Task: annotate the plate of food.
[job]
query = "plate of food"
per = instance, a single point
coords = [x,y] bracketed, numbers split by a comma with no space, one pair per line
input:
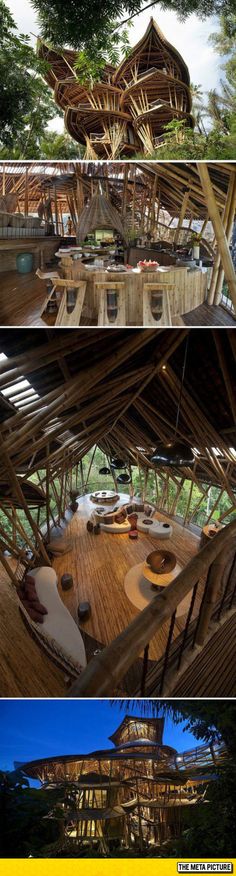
[148,265]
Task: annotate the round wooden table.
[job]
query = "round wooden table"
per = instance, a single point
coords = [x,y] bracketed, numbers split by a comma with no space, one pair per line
[107,496]
[138,585]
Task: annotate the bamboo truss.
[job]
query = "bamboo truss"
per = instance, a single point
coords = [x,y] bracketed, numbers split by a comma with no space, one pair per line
[162,200]
[134,792]
[126,111]
[116,402]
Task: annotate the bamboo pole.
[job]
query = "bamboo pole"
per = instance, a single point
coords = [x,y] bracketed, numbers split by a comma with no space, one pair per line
[219,230]
[181,215]
[229,231]
[19,494]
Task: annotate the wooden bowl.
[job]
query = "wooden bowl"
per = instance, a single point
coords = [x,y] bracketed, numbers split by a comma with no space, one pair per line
[161,562]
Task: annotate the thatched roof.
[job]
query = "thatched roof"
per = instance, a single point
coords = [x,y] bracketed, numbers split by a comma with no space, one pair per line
[99,213]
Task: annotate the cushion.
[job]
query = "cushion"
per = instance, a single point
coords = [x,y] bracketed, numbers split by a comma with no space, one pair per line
[30,593]
[37,606]
[35,615]
[29,580]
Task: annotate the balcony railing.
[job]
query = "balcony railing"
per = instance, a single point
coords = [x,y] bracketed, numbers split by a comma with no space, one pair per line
[210,575]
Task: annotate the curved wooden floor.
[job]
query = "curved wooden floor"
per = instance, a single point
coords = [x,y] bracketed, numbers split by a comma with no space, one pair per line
[99,564]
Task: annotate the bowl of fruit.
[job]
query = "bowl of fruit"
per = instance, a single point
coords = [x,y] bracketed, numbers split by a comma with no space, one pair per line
[148,265]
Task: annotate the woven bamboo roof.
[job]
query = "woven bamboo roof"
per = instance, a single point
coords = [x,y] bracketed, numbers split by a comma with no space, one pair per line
[120,395]
[127,186]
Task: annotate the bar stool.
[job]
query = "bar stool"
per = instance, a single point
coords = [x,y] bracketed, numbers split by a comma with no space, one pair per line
[71,303]
[111,309]
[50,302]
[156,303]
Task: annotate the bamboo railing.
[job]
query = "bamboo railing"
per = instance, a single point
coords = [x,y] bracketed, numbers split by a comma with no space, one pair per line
[216,562]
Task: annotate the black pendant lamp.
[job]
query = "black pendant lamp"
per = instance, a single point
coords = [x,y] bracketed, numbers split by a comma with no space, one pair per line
[117,462]
[104,470]
[175,453]
[124,478]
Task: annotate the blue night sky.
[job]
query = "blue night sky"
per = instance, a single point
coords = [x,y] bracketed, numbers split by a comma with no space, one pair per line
[30,729]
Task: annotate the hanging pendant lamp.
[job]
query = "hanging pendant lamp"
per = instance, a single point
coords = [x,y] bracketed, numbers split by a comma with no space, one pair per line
[124,478]
[175,453]
[104,470]
[117,462]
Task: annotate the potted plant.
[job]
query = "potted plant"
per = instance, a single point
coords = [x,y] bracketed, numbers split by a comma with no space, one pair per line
[195,241]
[132,237]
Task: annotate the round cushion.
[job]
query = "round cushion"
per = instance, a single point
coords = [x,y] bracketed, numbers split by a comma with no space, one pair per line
[84,610]
[66,581]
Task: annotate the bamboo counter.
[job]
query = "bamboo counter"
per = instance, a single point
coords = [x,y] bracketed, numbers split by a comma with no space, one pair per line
[190,287]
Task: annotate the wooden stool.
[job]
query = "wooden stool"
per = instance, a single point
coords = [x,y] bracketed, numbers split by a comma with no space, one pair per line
[111,304]
[156,304]
[69,313]
[50,302]
[66,581]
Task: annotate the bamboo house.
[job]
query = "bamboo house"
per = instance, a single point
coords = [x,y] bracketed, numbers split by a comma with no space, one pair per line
[134,795]
[128,110]
[117,512]
[117,244]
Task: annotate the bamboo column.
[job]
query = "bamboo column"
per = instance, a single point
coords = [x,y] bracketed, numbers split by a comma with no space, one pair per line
[19,494]
[228,231]
[26,191]
[181,215]
[219,229]
[216,266]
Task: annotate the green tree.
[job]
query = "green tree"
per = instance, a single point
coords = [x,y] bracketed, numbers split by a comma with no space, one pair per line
[30,818]
[26,106]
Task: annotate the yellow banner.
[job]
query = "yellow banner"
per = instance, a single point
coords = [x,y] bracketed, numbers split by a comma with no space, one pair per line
[115,866]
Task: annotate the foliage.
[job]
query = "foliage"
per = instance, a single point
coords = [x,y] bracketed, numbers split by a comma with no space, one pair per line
[97,30]
[25,826]
[26,106]
[106,48]
[211,828]
[194,145]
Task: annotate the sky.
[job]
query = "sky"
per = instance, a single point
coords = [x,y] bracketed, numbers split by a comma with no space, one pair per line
[30,729]
[190,38]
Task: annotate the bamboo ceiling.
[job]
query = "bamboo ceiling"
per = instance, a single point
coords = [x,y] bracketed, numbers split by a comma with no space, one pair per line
[131,188]
[122,395]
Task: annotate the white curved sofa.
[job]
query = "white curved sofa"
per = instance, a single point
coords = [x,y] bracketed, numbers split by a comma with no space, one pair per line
[58,624]
[156,528]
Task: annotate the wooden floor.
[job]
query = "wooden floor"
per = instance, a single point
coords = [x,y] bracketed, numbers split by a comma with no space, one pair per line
[22,297]
[208,315]
[98,565]
[213,673]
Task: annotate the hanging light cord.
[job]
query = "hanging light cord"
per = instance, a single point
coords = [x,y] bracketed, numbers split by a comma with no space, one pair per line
[181,387]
